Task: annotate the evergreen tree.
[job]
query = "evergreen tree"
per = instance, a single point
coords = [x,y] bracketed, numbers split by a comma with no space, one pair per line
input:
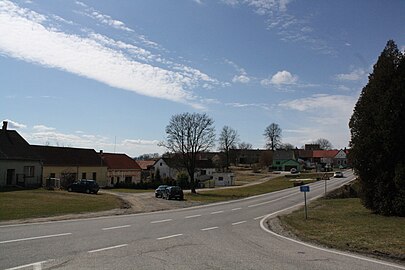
[377,135]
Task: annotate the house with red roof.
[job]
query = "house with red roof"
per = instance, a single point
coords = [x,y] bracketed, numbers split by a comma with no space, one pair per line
[121,168]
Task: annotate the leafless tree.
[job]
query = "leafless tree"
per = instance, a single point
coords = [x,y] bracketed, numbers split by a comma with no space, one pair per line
[272,133]
[187,135]
[286,146]
[324,144]
[245,146]
[227,140]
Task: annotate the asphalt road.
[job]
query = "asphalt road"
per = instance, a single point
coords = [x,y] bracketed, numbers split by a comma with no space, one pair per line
[220,236]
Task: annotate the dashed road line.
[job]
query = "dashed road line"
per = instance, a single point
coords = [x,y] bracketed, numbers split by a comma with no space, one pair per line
[239,222]
[210,228]
[117,227]
[238,208]
[256,218]
[216,212]
[160,221]
[193,216]
[170,236]
[107,248]
[258,204]
[34,238]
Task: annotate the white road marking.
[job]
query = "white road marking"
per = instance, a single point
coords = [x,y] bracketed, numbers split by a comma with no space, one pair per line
[107,248]
[160,221]
[117,227]
[238,208]
[217,212]
[258,204]
[256,218]
[33,238]
[170,236]
[35,266]
[239,222]
[210,228]
[193,216]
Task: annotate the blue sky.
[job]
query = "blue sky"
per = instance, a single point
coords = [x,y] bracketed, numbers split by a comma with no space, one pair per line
[110,74]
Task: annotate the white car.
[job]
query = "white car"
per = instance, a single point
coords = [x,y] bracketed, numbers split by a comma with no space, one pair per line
[338,175]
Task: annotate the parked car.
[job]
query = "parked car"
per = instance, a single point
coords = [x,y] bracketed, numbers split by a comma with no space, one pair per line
[338,175]
[159,191]
[293,171]
[173,192]
[84,185]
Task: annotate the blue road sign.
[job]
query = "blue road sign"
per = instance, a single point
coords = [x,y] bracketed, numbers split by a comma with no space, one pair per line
[304,188]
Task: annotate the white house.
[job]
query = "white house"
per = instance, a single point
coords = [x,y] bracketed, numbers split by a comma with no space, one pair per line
[224,179]
[169,168]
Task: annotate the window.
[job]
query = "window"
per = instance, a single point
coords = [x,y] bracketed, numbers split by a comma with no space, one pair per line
[29,171]
[94,176]
[220,178]
[52,175]
[128,179]
[84,175]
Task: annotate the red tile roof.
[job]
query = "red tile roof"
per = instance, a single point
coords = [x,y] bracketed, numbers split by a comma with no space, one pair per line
[144,164]
[325,153]
[120,162]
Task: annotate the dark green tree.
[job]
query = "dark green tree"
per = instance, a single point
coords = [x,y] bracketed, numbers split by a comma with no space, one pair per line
[377,135]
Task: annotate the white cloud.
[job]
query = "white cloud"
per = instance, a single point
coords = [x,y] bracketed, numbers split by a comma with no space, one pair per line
[41,128]
[25,38]
[247,105]
[241,78]
[14,125]
[322,102]
[355,75]
[140,142]
[280,78]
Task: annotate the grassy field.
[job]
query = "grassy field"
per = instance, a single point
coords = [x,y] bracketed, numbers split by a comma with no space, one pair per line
[130,190]
[21,204]
[345,224]
[217,195]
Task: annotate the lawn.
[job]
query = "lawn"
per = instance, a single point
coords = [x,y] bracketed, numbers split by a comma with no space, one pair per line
[21,204]
[345,224]
[217,195]
[130,190]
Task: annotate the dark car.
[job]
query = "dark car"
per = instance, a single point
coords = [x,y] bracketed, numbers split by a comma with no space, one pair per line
[84,185]
[173,192]
[159,191]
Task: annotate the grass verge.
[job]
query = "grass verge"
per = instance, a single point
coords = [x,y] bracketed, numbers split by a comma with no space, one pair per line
[217,195]
[130,190]
[346,225]
[22,204]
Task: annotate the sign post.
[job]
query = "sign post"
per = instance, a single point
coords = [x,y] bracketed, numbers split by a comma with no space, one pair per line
[305,189]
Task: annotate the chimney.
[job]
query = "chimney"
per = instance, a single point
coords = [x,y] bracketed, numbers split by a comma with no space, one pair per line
[5,123]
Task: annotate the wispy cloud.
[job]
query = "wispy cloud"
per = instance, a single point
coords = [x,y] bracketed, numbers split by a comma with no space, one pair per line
[356,75]
[287,26]
[25,37]
[42,128]
[249,105]
[242,76]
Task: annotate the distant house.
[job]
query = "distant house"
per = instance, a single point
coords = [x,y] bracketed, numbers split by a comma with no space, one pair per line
[121,168]
[19,165]
[70,164]
[250,156]
[324,159]
[171,167]
[147,171]
[223,179]
[285,160]
[340,159]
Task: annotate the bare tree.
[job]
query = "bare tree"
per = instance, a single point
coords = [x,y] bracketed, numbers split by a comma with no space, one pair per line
[245,146]
[286,146]
[272,133]
[189,134]
[324,144]
[227,140]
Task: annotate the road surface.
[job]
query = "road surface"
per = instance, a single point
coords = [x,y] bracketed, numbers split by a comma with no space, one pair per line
[225,235]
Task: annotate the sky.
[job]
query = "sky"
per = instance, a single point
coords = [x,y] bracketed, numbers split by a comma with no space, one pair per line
[109,75]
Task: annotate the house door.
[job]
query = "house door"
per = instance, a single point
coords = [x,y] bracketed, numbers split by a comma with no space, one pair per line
[10,176]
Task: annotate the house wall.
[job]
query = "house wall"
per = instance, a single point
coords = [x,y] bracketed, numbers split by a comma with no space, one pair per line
[77,171]
[224,179]
[19,175]
[115,176]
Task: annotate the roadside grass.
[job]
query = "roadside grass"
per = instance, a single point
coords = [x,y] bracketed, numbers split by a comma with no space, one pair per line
[226,194]
[34,203]
[346,225]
